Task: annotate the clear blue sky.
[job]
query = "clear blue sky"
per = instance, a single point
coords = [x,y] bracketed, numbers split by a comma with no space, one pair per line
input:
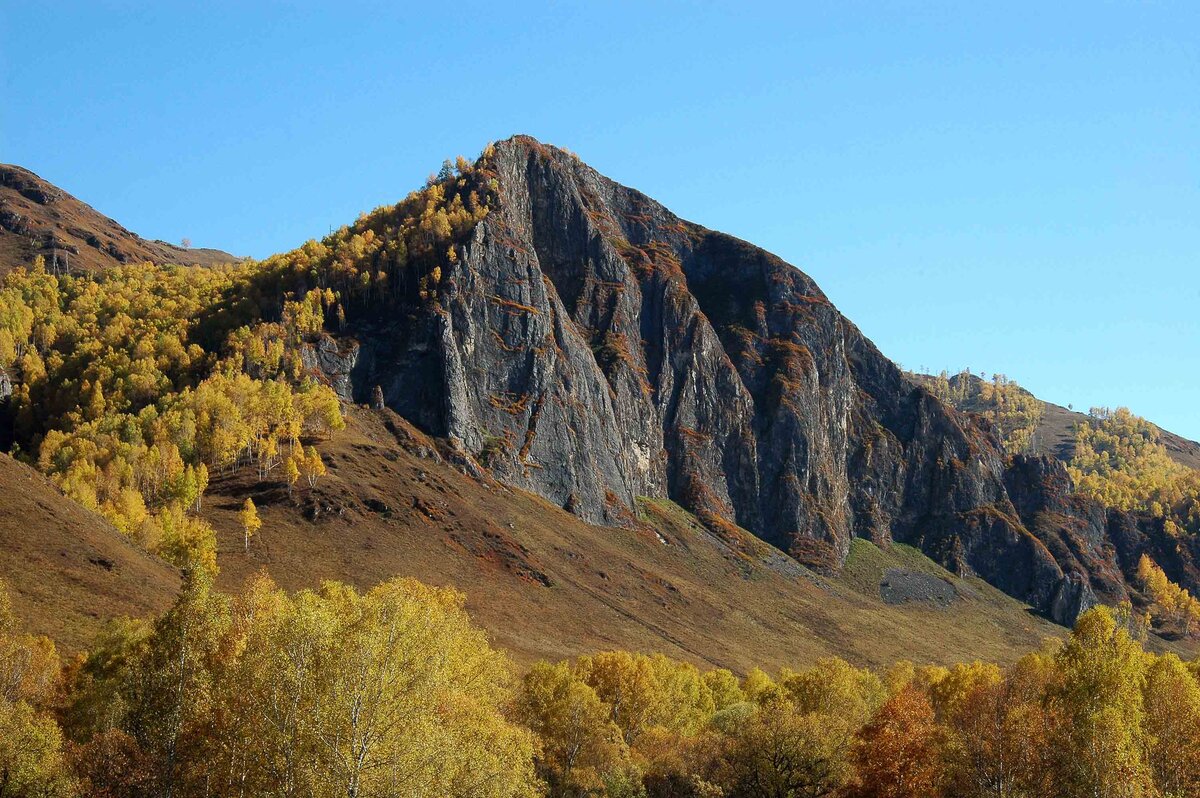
[1014,189]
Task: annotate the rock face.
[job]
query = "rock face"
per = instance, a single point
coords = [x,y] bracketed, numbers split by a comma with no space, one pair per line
[335,359]
[590,346]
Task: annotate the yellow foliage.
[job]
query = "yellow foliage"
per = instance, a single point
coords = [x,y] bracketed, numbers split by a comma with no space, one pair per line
[250,521]
[1120,460]
[130,380]
[1169,602]
[323,693]
[1013,411]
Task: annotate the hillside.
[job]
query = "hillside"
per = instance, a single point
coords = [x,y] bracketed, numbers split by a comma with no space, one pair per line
[1054,435]
[38,218]
[548,585]
[69,571]
[608,425]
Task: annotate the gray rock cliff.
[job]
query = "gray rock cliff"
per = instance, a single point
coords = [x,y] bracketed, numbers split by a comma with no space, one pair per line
[591,347]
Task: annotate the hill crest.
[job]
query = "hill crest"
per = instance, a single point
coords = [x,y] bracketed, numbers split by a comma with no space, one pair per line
[38,218]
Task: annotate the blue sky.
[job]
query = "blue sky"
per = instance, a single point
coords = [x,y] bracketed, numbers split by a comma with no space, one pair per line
[1013,188]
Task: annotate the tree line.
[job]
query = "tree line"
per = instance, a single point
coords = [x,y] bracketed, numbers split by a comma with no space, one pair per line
[395,692]
[1015,413]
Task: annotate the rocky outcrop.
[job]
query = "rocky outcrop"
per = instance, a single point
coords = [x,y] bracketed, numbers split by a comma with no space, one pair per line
[335,358]
[1072,597]
[588,345]
[1099,544]
[1073,528]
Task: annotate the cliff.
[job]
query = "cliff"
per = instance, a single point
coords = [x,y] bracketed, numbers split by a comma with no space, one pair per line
[591,347]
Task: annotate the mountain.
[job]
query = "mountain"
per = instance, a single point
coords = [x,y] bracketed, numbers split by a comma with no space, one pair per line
[70,571]
[587,345]
[38,218]
[609,426]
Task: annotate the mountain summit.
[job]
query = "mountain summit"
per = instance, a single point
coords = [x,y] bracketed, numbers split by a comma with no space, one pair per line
[586,344]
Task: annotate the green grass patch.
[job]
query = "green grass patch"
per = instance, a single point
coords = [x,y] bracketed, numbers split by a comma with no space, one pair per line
[867,563]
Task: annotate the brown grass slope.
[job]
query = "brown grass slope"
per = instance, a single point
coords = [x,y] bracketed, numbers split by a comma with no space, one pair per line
[67,569]
[38,218]
[546,584]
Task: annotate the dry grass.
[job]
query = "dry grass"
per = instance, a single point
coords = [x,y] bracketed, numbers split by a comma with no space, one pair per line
[67,569]
[546,584]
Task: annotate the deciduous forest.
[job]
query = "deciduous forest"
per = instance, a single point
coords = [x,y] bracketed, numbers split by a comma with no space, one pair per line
[395,692]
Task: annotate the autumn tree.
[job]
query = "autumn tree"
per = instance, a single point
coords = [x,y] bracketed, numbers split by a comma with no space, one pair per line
[626,684]
[999,737]
[724,687]
[251,523]
[757,686]
[1172,712]
[580,744]
[898,753]
[834,688]
[784,751]
[1169,602]
[32,761]
[392,692]
[322,693]
[291,471]
[167,690]
[1100,673]
[313,467]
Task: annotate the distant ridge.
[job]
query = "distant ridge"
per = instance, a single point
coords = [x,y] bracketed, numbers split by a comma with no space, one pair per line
[1056,437]
[38,218]
[1055,434]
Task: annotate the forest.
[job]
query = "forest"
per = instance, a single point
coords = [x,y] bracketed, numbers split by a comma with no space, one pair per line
[1119,459]
[332,692]
[131,385]
[1013,411]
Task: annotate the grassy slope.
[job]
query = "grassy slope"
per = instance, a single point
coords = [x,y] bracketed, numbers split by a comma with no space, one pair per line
[68,570]
[547,585]
[541,581]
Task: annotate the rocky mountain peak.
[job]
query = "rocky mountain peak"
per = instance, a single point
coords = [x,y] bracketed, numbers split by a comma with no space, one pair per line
[588,345]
